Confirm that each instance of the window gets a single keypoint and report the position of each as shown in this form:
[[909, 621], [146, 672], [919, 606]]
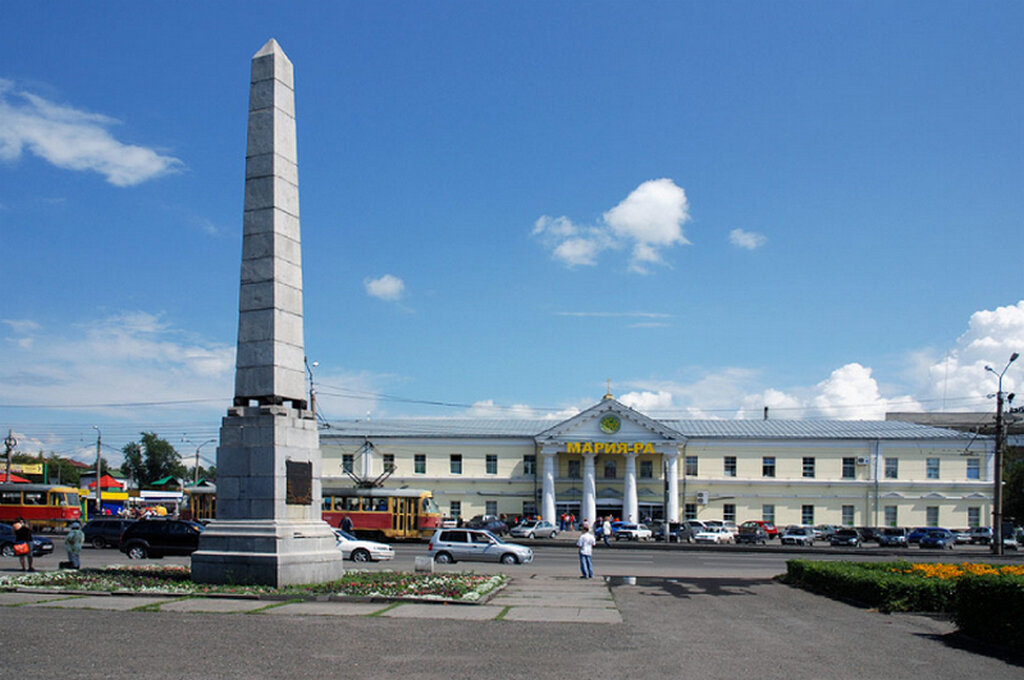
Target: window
[[849, 468], [574, 469], [729, 466], [807, 514], [892, 468], [646, 469], [808, 466], [931, 514], [973, 468], [973, 517], [768, 466], [347, 462], [690, 467], [529, 465], [492, 465], [529, 508], [729, 512], [420, 464], [609, 469], [848, 520], [455, 465], [689, 511], [932, 468], [389, 462], [491, 507], [890, 515], [768, 513], [456, 509]]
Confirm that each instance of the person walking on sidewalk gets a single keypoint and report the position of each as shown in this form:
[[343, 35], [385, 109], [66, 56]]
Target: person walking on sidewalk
[[585, 543], [606, 532]]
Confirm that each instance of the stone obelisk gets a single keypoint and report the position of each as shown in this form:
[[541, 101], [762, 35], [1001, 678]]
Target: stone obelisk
[[268, 528]]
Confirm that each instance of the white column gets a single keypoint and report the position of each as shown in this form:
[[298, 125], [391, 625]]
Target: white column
[[589, 490], [548, 487], [630, 509], [672, 472]]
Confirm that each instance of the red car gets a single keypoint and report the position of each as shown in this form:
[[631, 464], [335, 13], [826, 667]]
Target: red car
[[768, 527]]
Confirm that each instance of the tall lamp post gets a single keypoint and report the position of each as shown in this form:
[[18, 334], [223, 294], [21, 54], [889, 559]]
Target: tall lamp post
[[195, 481], [99, 471], [10, 443], [312, 386], [997, 492]]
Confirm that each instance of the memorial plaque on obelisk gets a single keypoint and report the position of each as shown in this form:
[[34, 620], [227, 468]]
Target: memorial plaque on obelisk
[[268, 528]]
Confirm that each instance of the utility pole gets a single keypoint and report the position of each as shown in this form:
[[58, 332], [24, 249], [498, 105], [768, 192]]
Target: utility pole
[[99, 472], [997, 491], [9, 443]]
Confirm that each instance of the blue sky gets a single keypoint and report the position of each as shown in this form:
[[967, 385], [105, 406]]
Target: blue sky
[[717, 206]]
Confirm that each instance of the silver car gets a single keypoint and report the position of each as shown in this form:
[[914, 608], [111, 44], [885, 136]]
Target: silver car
[[479, 545]]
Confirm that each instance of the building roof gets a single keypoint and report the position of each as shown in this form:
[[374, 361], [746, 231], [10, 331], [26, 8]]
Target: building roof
[[691, 429]]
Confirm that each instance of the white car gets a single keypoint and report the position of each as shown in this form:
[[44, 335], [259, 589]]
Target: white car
[[728, 524], [533, 529], [714, 534], [358, 550], [633, 532]]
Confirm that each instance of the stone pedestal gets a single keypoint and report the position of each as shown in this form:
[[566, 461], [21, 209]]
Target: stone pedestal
[[265, 532]]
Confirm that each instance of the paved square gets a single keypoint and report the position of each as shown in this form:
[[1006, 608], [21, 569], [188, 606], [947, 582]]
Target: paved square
[[563, 615], [113, 603], [439, 611], [9, 599], [224, 605], [326, 609]]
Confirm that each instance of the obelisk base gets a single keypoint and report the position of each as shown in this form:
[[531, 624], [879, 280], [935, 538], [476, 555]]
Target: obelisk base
[[267, 552]]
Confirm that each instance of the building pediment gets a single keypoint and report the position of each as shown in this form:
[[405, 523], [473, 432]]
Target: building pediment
[[610, 422]]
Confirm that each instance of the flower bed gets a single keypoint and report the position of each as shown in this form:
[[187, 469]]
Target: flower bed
[[448, 587]]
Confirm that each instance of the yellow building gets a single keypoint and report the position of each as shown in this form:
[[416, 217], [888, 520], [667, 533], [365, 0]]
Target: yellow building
[[613, 460]]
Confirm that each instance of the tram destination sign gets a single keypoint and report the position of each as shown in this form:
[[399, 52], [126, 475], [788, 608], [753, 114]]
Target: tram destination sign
[[609, 447]]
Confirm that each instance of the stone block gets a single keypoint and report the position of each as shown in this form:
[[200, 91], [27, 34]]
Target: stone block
[[271, 244], [272, 93], [272, 165], [424, 563], [270, 220], [271, 192], [273, 64]]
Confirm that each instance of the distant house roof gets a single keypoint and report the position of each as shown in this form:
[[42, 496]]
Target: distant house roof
[[165, 480], [690, 429]]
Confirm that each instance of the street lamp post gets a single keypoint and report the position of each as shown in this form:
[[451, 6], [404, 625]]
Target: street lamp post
[[195, 481], [10, 443], [997, 492], [312, 386], [99, 487]]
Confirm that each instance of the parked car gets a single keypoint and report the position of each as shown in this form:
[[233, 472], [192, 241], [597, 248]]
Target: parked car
[[358, 550], [823, 532], [454, 545], [633, 532], [981, 535], [769, 528], [105, 532], [678, 532], [160, 537], [599, 529], [893, 537], [917, 534], [845, 537], [491, 523], [41, 545], [752, 532], [727, 524], [797, 535], [868, 534], [1010, 543], [714, 534], [942, 539], [962, 536], [533, 528]]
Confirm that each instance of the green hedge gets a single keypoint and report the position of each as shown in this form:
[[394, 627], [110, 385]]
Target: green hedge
[[873, 585], [991, 608]]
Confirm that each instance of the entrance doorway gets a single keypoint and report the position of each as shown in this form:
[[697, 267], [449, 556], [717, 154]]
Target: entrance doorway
[[568, 508]]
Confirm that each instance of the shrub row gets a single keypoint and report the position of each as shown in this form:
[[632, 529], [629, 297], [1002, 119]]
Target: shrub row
[[987, 607]]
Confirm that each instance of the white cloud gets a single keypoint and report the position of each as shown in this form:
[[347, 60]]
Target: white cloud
[[751, 240], [486, 408], [648, 401], [647, 221], [386, 287], [73, 139]]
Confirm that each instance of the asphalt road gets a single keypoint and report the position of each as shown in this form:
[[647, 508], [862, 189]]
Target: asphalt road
[[693, 614]]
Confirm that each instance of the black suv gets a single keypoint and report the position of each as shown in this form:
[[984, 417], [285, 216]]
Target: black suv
[[105, 532], [159, 537]]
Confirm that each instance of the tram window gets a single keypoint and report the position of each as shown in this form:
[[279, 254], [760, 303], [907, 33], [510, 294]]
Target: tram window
[[367, 505], [34, 499], [382, 505], [352, 504], [327, 503], [10, 498]]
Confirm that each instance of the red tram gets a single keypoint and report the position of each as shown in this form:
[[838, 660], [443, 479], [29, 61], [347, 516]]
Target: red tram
[[383, 513], [43, 506]]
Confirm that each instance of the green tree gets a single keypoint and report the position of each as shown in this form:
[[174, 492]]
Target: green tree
[[151, 459], [1013, 486]]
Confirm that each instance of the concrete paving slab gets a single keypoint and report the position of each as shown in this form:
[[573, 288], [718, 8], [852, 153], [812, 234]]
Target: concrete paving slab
[[12, 599], [223, 605], [564, 615], [439, 611], [554, 601], [102, 602], [326, 609]]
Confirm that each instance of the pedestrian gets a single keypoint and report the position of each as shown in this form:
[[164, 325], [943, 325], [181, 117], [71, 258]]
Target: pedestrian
[[346, 524], [585, 543], [606, 531], [23, 537], [73, 542]]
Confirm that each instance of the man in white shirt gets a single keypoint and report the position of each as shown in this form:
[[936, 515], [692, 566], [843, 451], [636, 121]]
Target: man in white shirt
[[585, 543]]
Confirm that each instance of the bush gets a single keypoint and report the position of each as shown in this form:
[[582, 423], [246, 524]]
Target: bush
[[873, 584], [989, 607]]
